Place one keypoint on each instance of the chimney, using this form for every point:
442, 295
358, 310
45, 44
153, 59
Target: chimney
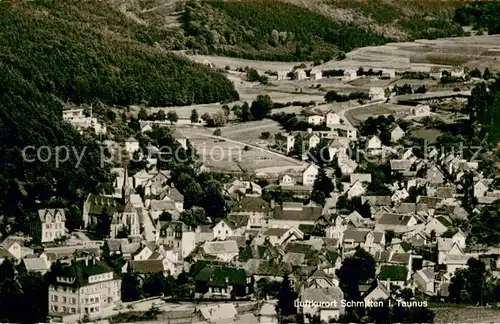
86, 261
310, 130
388, 284
272, 203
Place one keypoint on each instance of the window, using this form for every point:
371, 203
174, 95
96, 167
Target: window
219, 231
47, 225
64, 309
73, 301
54, 308
226, 232
55, 298
73, 310
86, 310
64, 299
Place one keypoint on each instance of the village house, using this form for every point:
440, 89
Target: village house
222, 250
287, 180
312, 139
350, 75
338, 145
434, 175
480, 188
376, 93
282, 75
226, 282
49, 225
300, 74
396, 132
332, 119
256, 209
329, 305
356, 190
225, 229
346, 164
316, 75
77, 119
295, 214
316, 119
177, 236
361, 177
83, 287
373, 145
131, 145
395, 222
281, 236
368, 240
309, 175
345, 131
374, 292
421, 110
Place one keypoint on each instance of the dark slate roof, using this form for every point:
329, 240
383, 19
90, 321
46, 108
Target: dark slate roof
99, 203
81, 271
146, 266
430, 201
252, 204
267, 268
216, 276
394, 219
308, 213
238, 220
395, 273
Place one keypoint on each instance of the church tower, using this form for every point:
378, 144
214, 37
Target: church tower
126, 188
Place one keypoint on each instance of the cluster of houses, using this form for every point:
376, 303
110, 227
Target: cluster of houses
262, 239
77, 119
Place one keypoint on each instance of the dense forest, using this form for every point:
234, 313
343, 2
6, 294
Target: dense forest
270, 30
53, 52
78, 51
480, 15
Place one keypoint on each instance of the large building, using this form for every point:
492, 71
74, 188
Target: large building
48, 225
83, 287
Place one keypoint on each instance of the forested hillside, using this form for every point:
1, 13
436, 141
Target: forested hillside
289, 30
52, 52
270, 30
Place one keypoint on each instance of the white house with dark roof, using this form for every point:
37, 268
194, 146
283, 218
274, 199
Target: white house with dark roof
49, 225
480, 188
373, 145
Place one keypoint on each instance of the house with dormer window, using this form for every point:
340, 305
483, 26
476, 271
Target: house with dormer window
84, 287
49, 225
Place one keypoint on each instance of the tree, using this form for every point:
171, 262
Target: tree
165, 217
143, 114
421, 89
193, 217
160, 115
332, 96
217, 132
226, 110
172, 117
261, 107
487, 74
298, 146
286, 298
194, 116
476, 73
265, 135
130, 288
111, 115
322, 186
360, 268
